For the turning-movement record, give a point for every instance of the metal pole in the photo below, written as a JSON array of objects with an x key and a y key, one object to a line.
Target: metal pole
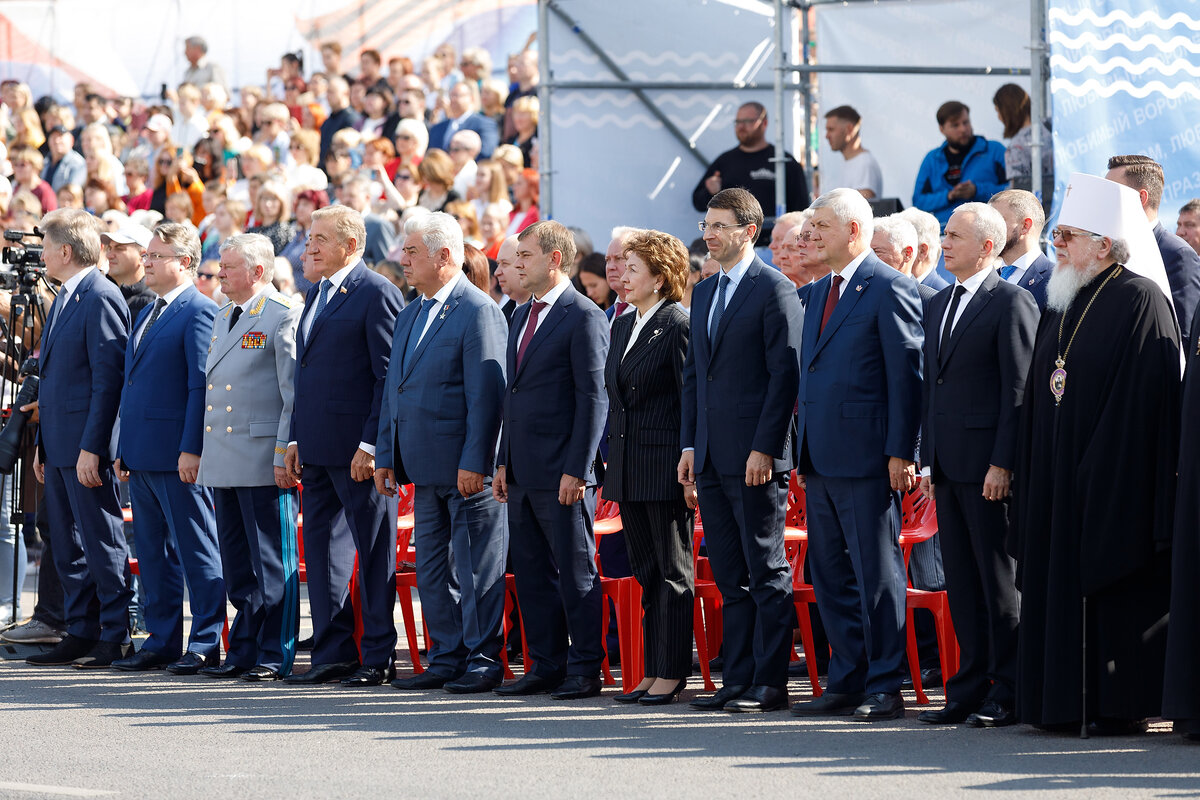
[
  {"x": 624, "y": 82},
  {"x": 781, "y": 62},
  {"x": 906, "y": 70},
  {"x": 545, "y": 181},
  {"x": 1037, "y": 93},
  {"x": 806, "y": 78},
  {"x": 634, "y": 86}
]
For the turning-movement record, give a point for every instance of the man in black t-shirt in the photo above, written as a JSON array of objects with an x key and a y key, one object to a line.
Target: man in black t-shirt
[{"x": 750, "y": 166}]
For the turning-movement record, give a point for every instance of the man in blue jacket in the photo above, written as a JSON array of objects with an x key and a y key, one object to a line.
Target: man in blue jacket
[
  {"x": 966, "y": 168},
  {"x": 82, "y": 358},
  {"x": 438, "y": 427},
  {"x": 162, "y": 405}
]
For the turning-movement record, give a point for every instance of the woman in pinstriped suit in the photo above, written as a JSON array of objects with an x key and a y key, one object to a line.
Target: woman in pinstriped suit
[{"x": 644, "y": 378}]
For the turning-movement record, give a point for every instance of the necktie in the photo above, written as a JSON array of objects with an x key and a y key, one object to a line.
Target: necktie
[
  {"x": 233, "y": 318},
  {"x": 835, "y": 292},
  {"x": 619, "y": 308},
  {"x": 414, "y": 333},
  {"x": 535, "y": 309},
  {"x": 959, "y": 291},
  {"x": 159, "y": 305},
  {"x": 322, "y": 298},
  {"x": 1006, "y": 271},
  {"x": 718, "y": 309}
]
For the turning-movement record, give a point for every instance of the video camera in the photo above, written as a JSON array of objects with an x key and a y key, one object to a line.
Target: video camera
[
  {"x": 10, "y": 436},
  {"x": 24, "y": 263}
]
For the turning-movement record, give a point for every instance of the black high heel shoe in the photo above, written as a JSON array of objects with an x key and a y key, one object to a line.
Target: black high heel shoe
[
  {"x": 663, "y": 699},
  {"x": 630, "y": 697}
]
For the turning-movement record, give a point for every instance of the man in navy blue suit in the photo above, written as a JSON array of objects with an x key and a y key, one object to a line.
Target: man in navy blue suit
[
  {"x": 462, "y": 114},
  {"x": 859, "y": 411},
  {"x": 548, "y": 467},
  {"x": 739, "y": 392},
  {"x": 162, "y": 409},
  {"x": 1145, "y": 176},
  {"x": 1024, "y": 263},
  {"x": 82, "y": 360},
  {"x": 978, "y": 345},
  {"x": 342, "y": 348},
  {"x": 438, "y": 427}
]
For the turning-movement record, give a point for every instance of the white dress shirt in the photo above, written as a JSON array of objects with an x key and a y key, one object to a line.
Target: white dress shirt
[
  {"x": 337, "y": 279},
  {"x": 1022, "y": 265},
  {"x": 639, "y": 323},
  {"x": 168, "y": 298},
  {"x": 441, "y": 296},
  {"x": 970, "y": 286},
  {"x": 735, "y": 277},
  {"x": 550, "y": 298},
  {"x": 848, "y": 271}
]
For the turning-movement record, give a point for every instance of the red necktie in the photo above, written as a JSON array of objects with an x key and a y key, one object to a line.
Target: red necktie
[
  {"x": 831, "y": 301},
  {"x": 535, "y": 308},
  {"x": 619, "y": 308}
]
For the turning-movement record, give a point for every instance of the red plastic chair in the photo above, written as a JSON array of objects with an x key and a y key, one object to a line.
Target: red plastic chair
[
  {"x": 919, "y": 524},
  {"x": 706, "y": 615},
  {"x": 626, "y": 595},
  {"x": 795, "y": 541}
]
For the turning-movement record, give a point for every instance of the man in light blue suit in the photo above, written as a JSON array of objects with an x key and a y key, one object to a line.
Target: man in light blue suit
[
  {"x": 438, "y": 426},
  {"x": 162, "y": 434},
  {"x": 858, "y": 415},
  {"x": 82, "y": 359}
]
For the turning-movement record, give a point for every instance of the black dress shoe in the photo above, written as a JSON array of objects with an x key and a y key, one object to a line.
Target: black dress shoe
[
  {"x": 260, "y": 674},
  {"x": 992, "y": 715},
  {"x": 630, "y": 697},
  {"x": 370, "y": 676},
  {"x": 472, "y": 683},
  {"x": 426, "y": 680},
  {"x": 1108, "y": 726},
  {"x": 324, "y": 673},
  {"x": 880, "y": 705},
  {"x": 225, "y": 671},
  {"x": 576, "y": 687},
  {"x": 103, "y": 655},
  {"x": 63, "y": 653},
  {"x": 527, "y": 685},
  {"x": 930, "y": 676},
  {"x": 663, "y": 699},
  {"x": 192, "y": 663},
  {"x": 142, "y": 661},
  {"x": 305, "y": 644},
  {"x": 760, "y": 698},
  {"x": 717, "y": 701},
  {"x": 952, "y": 714},
  {"x": 830, "y": 704}
]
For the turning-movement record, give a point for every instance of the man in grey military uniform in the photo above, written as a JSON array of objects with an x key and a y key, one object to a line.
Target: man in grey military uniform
[{"x": 248, "y": 411}]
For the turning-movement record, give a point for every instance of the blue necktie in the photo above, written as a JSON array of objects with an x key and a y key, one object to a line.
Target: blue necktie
[
  {"x": 322, "y": 298},
  {"x": 1007, "y": 271},
  {"x": 719, "y": 309},
  {"x": 414, "y": 334}
]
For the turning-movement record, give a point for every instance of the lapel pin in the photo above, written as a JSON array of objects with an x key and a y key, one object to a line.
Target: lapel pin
[
  {"x": 858, "y": 288},
  {"x": 76, "y": 298},
  {"x": 342, "y": 289},
  {"x": 1031, "y": 280}
]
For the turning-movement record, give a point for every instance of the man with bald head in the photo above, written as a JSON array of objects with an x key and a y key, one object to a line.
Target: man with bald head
[
  {"x": 978, "y": 343},
  {"x": 462, "y": 114},
  {"x": 514, "y": 293},
  {"x": 464, "y": 149}
]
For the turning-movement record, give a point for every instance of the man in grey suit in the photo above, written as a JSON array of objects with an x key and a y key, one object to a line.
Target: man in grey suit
[
  {"x": 438, "y": 426},
  {"x": 248, "y": 411}
]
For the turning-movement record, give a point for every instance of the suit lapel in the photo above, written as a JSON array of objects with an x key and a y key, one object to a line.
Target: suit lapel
[
  {"x": 981, "y": 299},
  {"x": 434, "y": 326},
  {"x": 705, "y": 295},
  {"x": 851, "y": 292},
  {"x": 337, "y": 297},
  {"x": 164, "y": 319},
  {"x": 645, "y": 341},
  {"x": 744, "y": 288},
  {"x": 224, "y": 338},
  {"x": 555, "y": 315}
]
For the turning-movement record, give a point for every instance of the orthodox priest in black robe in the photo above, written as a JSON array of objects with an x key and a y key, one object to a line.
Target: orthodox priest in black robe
[
  {"x": 1181, "y": 693},
  {"x": 1094, "y": 488}
]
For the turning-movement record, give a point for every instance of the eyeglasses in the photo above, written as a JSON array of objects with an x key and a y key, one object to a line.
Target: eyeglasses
[
  {"x": 1067, "y": 235},
  {"x": 158, "y": 256},
  {"x": 165, "y": 162},
  {"x": 400, "y": 176},
  {"x": 459, "y": 149},
  {"x": 207, "y": 275},
  {"x": 747, "y": 121},
  {"x": 718, "y": 227}
]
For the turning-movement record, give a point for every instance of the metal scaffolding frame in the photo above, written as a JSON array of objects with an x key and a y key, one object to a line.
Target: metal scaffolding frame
[{"x": 783, "y": 69}]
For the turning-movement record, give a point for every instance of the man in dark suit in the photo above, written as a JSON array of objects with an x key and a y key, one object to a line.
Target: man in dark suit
[
  {"x": 1145, "y": 176},
  {"x": 548, "y": 468},
  {"x": 82, "y": 361},
  {"x": 514, "y": 293},
  {"x": 1024, "y": 263},
  {"x": 859, "y": 411},
  {"x": 739, "y": 390},
  {"x": 977, "y": 350},
  {"x": 162, "y": 407},
  {"x": 342, "y": 348},
  {"x": 462, "y": 114},
  {"x": 438, "y": 427}
]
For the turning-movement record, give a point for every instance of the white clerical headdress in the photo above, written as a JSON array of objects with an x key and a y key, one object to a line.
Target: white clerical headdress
[{"x": 1114, "y": 210}]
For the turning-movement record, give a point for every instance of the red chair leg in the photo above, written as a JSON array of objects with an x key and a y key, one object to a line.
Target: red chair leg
[
  {"x": 702, "y": 645},
  {"x": 508, "y": 607},
  {"x": 810, "y": 648},
  {"x": 609, "y": 680},
  {"x": 404, "y": 593},
  {"x": 914, "y": 662}
]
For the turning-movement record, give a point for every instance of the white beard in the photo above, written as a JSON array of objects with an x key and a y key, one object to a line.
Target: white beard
[{"x": 1065, "y": 282}]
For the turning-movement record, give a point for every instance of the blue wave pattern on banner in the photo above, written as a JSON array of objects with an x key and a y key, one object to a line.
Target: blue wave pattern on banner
[{"x": 1124, "y": 79}]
